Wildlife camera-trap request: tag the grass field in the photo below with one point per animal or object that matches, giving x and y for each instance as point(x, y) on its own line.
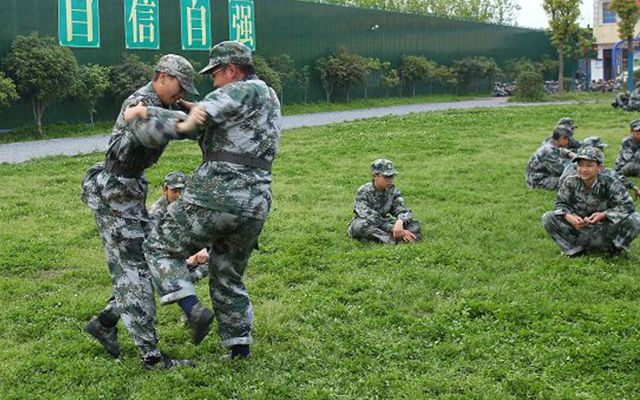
point(484, 308)
point(62, 130)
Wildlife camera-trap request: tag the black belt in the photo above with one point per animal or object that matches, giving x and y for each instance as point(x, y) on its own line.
point(116, 168)
point(238, 159)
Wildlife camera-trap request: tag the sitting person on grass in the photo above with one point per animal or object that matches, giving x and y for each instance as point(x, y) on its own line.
point(380, 212)
point(593, 210)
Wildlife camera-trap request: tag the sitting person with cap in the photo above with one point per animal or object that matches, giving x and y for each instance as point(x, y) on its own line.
point(628, 162)
point(375, 201)
point(593, 210)
point(547, 164)
point(174, 182)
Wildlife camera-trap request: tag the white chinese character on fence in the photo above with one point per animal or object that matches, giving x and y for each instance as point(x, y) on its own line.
point(196, 23)
point(142, 18)
point(79, 20)
point(243, 24)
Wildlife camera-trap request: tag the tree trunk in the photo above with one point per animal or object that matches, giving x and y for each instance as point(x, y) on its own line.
point(630, 63)
point(414, 90)
point(365, 91)
point(38, 110)
point(560, 70)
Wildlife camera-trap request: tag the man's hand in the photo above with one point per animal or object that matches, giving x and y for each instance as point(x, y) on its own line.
point(201, 257)
point(197, 116)
point(596, 217)
point(408, 236)
point(137, 111)
point(398, 230)
point(574, 220)
point(185, 105)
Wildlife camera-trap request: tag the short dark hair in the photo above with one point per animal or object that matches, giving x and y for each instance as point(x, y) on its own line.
point(557, 134)
point(247, 69)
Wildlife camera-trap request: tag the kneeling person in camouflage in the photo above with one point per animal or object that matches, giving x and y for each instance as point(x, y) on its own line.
point(593, 210)
point(174, 182)
point(375, 201)
point(628, 161)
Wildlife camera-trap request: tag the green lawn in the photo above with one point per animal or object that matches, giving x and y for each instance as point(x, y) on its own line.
point(60, 130)
point(484, 308)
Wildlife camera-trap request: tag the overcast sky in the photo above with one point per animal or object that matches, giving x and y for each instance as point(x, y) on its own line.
point(532, 15)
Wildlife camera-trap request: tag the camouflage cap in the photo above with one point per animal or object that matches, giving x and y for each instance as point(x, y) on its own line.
point(383, 167)
point(175, 180)
point(228, 52)
point(594, 141)
point(635, 125)
point(566, 121)
point(180, 68)
point(590, 153)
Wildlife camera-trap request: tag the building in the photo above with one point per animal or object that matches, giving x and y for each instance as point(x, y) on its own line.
point(611, 61)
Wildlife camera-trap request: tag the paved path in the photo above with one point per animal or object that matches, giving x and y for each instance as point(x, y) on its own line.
point(25, 151)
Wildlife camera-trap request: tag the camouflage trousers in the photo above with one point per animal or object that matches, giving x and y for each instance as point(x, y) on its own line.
point(365, 231)
point(187, 228)
point(601, 236)
point(632, 168)
point(132, 291)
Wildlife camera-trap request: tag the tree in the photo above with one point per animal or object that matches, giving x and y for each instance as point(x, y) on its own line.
point(373, 68)
point(129, 76)
point(267, 74)
point(415, 69)
point(302, 79)
point(494, 11)
point(563, 15)
point(445, 76)
point(285, 68)
point(389, 79)
point(42, 71)
point(627, 11)
point(91, 84)
point(341, 69)
point(7, 91)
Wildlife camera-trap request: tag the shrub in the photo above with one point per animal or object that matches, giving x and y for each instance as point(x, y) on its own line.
point(341, 69)
point(415, 69)
point(285, 68)
point(529, 86)
point(476, 73)
point(267, 74)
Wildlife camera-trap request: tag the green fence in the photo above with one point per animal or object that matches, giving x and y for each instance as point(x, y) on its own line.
point(305, 31)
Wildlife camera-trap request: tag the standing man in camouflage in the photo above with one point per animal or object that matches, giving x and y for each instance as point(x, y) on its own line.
point(375, 202)
point(628, 162)
point(174, 183)
point(593, 210)
point(548, 162)
point(116, 191)
point(225, 202)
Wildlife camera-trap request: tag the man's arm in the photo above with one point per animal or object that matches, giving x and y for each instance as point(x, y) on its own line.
point(399, 209)
point(620, 203)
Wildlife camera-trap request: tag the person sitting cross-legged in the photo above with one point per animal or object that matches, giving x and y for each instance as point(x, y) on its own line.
point(377, 199)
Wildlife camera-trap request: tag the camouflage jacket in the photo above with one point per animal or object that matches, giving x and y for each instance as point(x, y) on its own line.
point(132, 148)
point(548, 160)
point(607, 195)
point(243, 118)
point(571, 169)
point(628, 152)
point(375, 205)
point(158, 209)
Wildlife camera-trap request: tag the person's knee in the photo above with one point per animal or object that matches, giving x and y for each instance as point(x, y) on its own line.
point(549, 220)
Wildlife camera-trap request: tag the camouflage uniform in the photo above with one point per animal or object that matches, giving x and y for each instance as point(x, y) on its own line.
point(116, 191)
point(568, 123)
point(371, 221)
point(175, 180)
point(607, 195)
point(546, 166)
point(628, 161)
point(226, 200)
